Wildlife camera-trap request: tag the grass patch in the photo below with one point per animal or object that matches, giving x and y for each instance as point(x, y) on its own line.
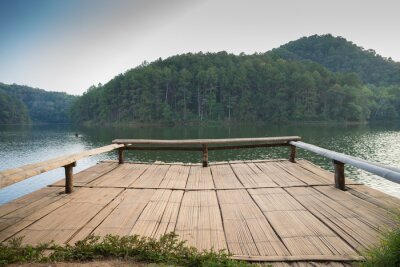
point(166, 250)
point(387, 252)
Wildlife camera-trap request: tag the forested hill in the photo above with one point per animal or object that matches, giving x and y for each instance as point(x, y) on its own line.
point(339, 55)
point(12, 110)
point(221, 86)
point(34, 105)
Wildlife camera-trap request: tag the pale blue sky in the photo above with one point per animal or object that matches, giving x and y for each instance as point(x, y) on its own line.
point(71, 45)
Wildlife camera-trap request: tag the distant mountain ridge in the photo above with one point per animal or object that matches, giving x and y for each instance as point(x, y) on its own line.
point(39, 105)
point(339, 55)
point(315, 78)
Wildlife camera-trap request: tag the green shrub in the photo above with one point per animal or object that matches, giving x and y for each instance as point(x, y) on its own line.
point(387, 252)
point(167, 250)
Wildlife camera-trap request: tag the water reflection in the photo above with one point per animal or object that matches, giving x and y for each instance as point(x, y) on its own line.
point(21, 145)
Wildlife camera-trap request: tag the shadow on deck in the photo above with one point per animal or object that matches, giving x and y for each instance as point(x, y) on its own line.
point(274, 211)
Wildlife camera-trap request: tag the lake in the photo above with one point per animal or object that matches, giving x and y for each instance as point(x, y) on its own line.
point(20, 145)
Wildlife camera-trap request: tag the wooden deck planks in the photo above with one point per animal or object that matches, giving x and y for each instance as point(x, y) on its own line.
point(279, 175)
point(251, 176)
point(371, 214)
point(152, 177)
point(199, 221)
point(123, 175)
point(300, 231)
point(247, 230)
point(122, 219)
point(29, 200)
point(224, 177)
point(375, 197)
point(30, 218)
point(14, 212)
point(324, 174)
point(288, 209)
point(160, 215)
point(90, 174)
point(176, 177)
point(200, 177)
point(63, 222)
point(303, 174)
point(346, 223)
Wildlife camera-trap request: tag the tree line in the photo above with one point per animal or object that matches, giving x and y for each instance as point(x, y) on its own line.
point(24, 104)
point(222, 86)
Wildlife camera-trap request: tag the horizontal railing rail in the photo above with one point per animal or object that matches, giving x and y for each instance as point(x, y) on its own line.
point(339, 159)
point(12, 176)
point(205, 145)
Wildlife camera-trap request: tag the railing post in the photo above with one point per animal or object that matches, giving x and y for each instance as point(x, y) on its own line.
point(69, 177)
point(339, 175)
point(205, 156)
point(292, 153)
point(121, 155)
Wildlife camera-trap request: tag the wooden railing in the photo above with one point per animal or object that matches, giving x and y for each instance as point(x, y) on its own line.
point(340, 159)
point(12, 176)
point(15, 175)
point(204, 145)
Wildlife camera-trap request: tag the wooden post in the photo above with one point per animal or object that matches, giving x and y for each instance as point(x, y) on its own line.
point(121, 155)
point(69, 177)
point(339, 175)
point(205, 156)
point(292, 154)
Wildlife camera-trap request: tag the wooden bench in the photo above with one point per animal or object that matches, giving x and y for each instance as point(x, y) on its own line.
point(204, 145)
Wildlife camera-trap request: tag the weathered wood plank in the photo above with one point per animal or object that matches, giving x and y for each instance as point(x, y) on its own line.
point(123, 175)
point(327, 176)
point(206, 141)
point(370, 213)
point(279, 175)
point(199, 177)
point(152, 177)
point(90, 174)
point(302, 174)
point(122, 219)
point(160, 215)
point(247, 230)
point(60, 225)
point(224, 177)
point(199, 221)
point(91, 226)
point(26, 217)
point(300, 231)
point(176, 177)
point(345, 222)
point(29, 200)
point(251, 176)
point(375, 197)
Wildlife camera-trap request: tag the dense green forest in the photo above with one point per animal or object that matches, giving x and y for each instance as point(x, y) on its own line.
point(339, 55)
point(12, 110)
point(270, 86)
point(35, 105)
point(316, 78)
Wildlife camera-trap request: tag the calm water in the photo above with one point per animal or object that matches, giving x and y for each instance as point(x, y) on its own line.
point(21, 145)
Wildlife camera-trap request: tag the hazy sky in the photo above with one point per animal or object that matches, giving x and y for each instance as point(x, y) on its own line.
point(70, 45)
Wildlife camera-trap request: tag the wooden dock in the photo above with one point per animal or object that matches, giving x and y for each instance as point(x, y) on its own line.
point(276, 211)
